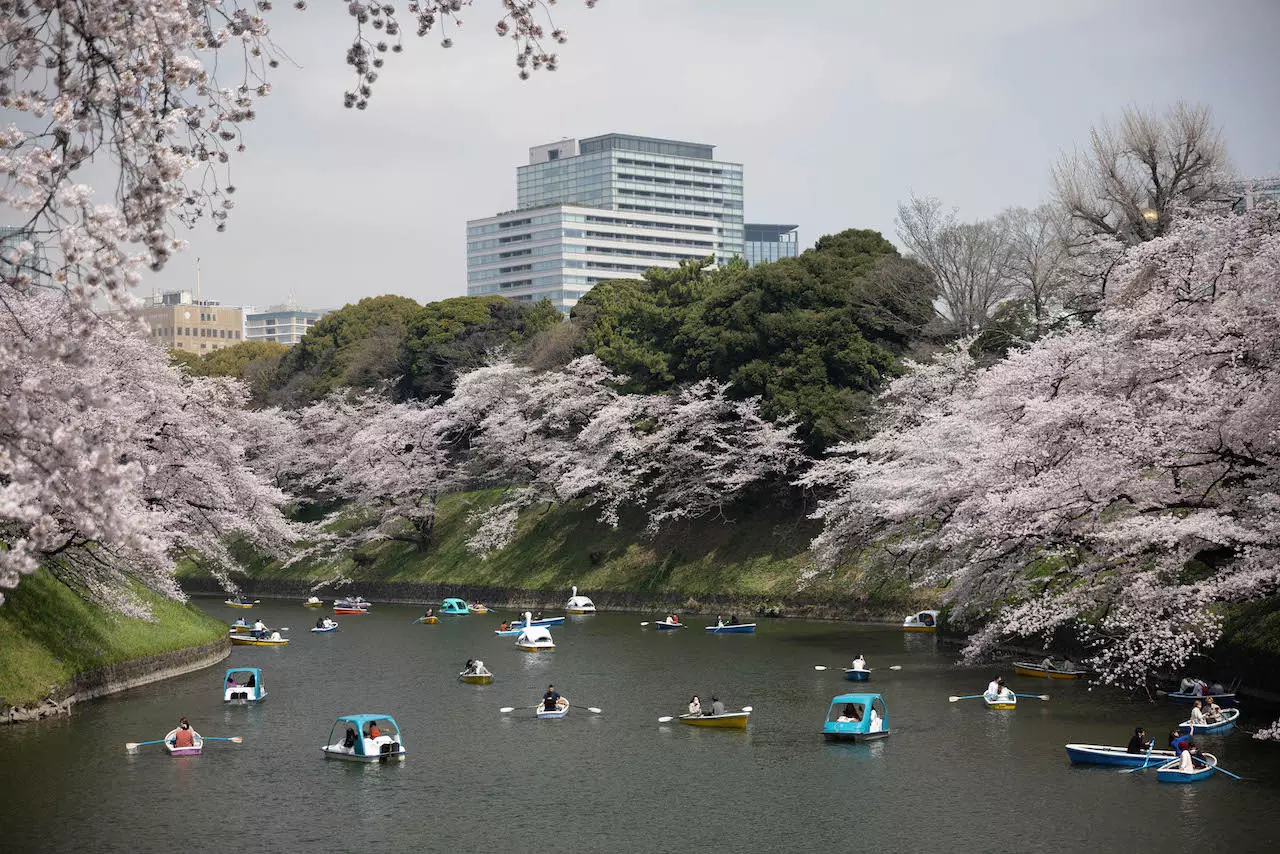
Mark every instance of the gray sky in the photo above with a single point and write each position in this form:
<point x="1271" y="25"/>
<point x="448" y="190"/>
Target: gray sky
<point x="837" y="108"/>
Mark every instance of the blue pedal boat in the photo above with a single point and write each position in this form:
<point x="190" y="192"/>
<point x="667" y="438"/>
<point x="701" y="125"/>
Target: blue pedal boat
<point x="456" y="607"/>
<point x="352" y="739"/>
<point x="1228" y="723"/>
<point x="736" y="629"/>
<point x="857" y="718"/>
<point x="1101" y="754"/>
<point x="243" y="685"/>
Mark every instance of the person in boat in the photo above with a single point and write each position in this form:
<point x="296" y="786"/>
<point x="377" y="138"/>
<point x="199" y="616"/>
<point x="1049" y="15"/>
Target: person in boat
<point x="503" y="627"/>
<point x="430" y="613"/>
<point x="1212" y="711"/>
<point x="320" y="622"/>
<point x="995" y="687"/>
<point x="539" y="617"/>
<point x="695" y="706"/>
<point x="550" y="699"/>
<point x="252" y="681"/>
<point x="850" y="714"/>
<point x="1183" y="744"/>
<point x="1047" y="664"/>
<point x="717" y="707"/>
<point x="859" y="663"/>
<point x="185" y="736"/>
<point x="1068" y="666"/>
<point x="1189" y="756"/>
<point x="470" y="668"/>
<point x="719" y="622"/>
<point x="349" y="740"/>
<point x="260" y="629"/>
<point x="875" y="724"/>
<point x="733" y="619"/>
<point x="1197" y="714"/>
<point x="1139" y="743"/>
<point x="373" y="732"/>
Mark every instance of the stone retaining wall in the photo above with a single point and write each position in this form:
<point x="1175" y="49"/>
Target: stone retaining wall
<point x="515" y="599"/>
<point x="115" y="678"/>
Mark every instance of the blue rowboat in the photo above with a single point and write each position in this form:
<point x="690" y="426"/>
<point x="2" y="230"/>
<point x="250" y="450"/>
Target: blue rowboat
<point x="1169" y="772"/>
<point x="857" y="675"/>
<point x="738" y="629"/>
<point x="1228" y="722"/>
<point x="504" y="632"/>
<point x="549" y="621"/>
<point x="1099" y="754"/>
<point x="1228" y="699"/>
<point x="324" y="629"/>
<point x="663" y="624"/>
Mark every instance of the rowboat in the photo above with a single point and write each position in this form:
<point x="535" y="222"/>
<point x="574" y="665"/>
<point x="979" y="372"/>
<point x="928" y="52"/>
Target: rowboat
<point x="1100" y="754"/>
<point x="239" y="626"/>
<point x="250" y="640"/>
<point x="1227" y="723"/>
<point x="251" y="690"/>
<point x="1171" y="773"/>
<point x="735" y="629"/>
<point x="476" y="674"/>
<point x="235" y="603"/>
<point x="857" y="675"/>
<point x="667" y="625"/>
<point x="196" y="746"/>
<point x="313" y="602"/>
<point x="329" y="626"/>
<point x="504" y="632"/>
<point x="477" y="609"/>
<point x="358" y="602"/>
<point x="1225" y="699"/>
<point x="541" y="621"/>
<point x="1000" y="702"/>
<point x="356" y="729"/>
<point x="729" y="720"/>
<point x="562" y="709"/>
<point x="921" y="621"/>
<point x="346" y="610"/>
<point x="579" y="604"/>
<point x="856" y="718"/>
<point x="454" y="607"/>
<point x="1028" y="669"/>
<point x="430" y="621"/>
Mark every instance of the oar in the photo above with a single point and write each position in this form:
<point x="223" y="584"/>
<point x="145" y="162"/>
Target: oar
<point x="665" y="719"/>
<point x="1033" y="696"/>
<point x="824" y="667"/>
<point x="1225" y="771"/>
<point x="1150" y="747"/>
<point x="747" y="709"/>
<point x="132" y="746"/>
<point x="966" y="697"/>
<point x="644" y="622"/>
<point x="237" y="739"/>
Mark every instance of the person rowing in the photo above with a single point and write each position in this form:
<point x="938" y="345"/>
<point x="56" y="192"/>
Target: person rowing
<point x="1139" y="743"/>
<point x="717" y="707"/>
<point x="1212" y="711"/>
<point x="321" y="622"/>
<point x="184" y="735"/>
<point x="1047" y="664"/>
<point x="550" y="699"/>
<point x="431" y="612"/>
<point x="995" y="687"/>
<point x="859" y="663"/>
<point x="695" y="706"/>
<point x="470" y="668"/>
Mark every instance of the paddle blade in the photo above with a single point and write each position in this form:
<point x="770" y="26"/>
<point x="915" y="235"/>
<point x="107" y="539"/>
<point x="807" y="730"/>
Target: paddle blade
<point x="952" y="699"/>
<point x="665" y="719"/>
<point x="895" y="667"/>
<point x="1044" y="696"/>
<point x="236" y="739"/>
<point x="505" y="709"/>
<point x="131" y="747"/>
<point x="644" y="622"/>
<point x="594" y="710"/>
<point x="819" y="667"/>
<point x="747" y="709"/>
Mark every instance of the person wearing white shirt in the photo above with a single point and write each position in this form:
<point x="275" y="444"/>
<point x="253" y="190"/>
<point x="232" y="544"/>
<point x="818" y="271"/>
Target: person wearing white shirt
<point x="994" y="689"/>
<point x="859" y="663"/>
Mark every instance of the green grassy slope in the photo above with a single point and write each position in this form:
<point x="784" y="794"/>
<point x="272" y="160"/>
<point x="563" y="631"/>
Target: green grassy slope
<point x="48" y="634"/>
<point x="760" y="549"/>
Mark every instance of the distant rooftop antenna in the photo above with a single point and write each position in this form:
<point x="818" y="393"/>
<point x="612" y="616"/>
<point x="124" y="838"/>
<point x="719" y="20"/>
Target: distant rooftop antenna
<point x="292" y="304"/>
<point x="197" y="281"/>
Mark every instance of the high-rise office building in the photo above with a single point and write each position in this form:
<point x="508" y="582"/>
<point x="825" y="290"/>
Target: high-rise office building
<point x="285" y="324"/>
<point x="179" y="321"/>
<point x="608" y="207"/>
<point x="769" y="242"/>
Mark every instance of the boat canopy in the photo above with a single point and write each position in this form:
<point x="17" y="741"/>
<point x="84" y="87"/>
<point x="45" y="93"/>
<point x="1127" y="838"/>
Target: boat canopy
<point x="453" y="606"/>
<point x="857" y="710"/>
<point x="249" y="671"/>
<point x="386" y="724"/>
<point x="535" y="634"/>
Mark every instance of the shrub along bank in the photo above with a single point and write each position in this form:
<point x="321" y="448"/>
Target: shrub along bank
<point x="48" y="635"/>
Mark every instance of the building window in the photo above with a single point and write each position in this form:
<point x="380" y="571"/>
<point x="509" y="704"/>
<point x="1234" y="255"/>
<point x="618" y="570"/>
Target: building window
<point x="202" y="346"/>
<point x="237" y="335"/>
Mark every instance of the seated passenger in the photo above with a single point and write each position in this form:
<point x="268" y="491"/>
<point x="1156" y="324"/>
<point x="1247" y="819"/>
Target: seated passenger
<point x="851" y="714"/>
<point x="876" y="724"/>
<point x="349" y="741"/>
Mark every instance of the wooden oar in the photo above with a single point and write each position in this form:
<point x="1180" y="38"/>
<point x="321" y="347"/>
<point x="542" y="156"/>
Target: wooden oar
<point x="1033" y="696"/>
<point x="1150" y="747"/>
<point x="952" y="699"/>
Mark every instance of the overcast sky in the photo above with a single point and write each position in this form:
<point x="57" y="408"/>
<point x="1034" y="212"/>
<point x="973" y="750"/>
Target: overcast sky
<point x="837" y="109"/>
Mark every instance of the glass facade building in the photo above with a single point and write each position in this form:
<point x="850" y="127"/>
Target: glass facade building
<point x="607" y="207"/>
<point x="283" y="324"/>
<point x="769" y="242"/>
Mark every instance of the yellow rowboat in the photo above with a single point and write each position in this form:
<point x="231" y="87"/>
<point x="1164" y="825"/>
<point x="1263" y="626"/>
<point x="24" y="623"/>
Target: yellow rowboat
<point x="476" y="678"/>
<point x="477" y="609"/>
<point x="1025" y="669"/>
<point x="313" y="602"/>
<point x="430" y="621"/>
<point x="1000" y="702"/>
<point x="231" y="604"/>
<point x="729" y="720"/>
<point x="250" y="640"/>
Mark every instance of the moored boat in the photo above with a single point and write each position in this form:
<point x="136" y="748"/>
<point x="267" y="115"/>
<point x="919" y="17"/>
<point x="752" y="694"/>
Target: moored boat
<point x="735" y="629"/>
<point x="856" y="718"/>
<point x="243" y="685"/>
<point x="358" y="743"/>
<point x="1001" y="702"/>
<point x="196" y="746"/>
<point x="579" y="604"/>
<point x="729" y="720"/>
<point x="1101" y="754"/>
<point x="535" y="639"/>
<point x="1228" y="722"/>
<point x="857" y="674"/>
<point x="921" y="621"/>
<point x="250" y="640"/>
<point x="313" y="602"/>
<point x="1171" y="772"/>
<point x="561" y="709"/>
<point x="454" y="607"/>
<point x="1025" y="668"/>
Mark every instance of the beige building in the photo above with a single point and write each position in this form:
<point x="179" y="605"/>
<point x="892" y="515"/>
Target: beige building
<point x="179" y="322"/>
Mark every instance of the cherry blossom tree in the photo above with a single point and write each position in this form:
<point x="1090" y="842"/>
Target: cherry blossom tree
<point x="1122" y="478"/>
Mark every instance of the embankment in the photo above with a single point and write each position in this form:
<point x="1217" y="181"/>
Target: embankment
<point x="755" y="560"/>
<point x="57" y="649"/>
